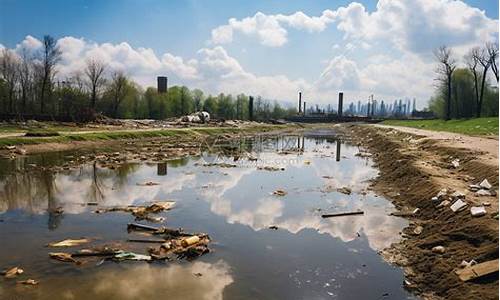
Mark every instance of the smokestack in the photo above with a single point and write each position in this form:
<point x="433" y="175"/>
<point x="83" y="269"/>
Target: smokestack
<point x="162" y="84"/>
<point x="304" y="108"/>
<point x="300" y="102"/>
<point x="341" y="100"/>
<point x="250" y="108"/>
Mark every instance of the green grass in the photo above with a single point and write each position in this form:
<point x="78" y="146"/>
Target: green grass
<point x="479" y="126"/>
<point x="66" y="137"/>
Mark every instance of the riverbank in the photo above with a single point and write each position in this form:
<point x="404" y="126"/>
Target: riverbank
<point x="475" y="127"/>
<point x="413" y="170"/>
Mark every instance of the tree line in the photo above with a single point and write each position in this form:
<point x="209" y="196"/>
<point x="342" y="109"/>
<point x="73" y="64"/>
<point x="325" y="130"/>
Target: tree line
<point x="465" y="92"/>
<point x="29" y="86"/>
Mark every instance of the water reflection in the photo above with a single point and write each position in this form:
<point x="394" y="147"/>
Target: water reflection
<point x="234" y="205"/>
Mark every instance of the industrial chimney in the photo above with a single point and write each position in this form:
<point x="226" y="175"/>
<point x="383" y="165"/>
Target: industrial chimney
<point x="300" y="102"/>
<point x="162" y="84"/>
<point x="341" y="100"/>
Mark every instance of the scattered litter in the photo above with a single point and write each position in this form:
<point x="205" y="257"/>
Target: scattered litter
<point x="327" y="177"/>
<point x="344" y="190"/>
<point x="458" y="205"/>
<point x="485" y="184"/>
<point x="63" y="256"/>
<point x="477" y="270"/>
<point x="458" y="195"/>
<point x="483" y="193"/>
<point x="101" y="251"/>
<point x="342" y="214"/>
<point x="486" y="203"/>
<point x="442" y="193"/>
<point x="220" y="165"/>
<point x="148" y="183"/>
<point x="418" y="230"/>
<point x="28" y="282"/>
<point x="190" y="241"/>
<point x="145" y="241"/>
<point x="12" y="272"/>
<point x="273" y="227"/>
<point x="269" y="168"/>
<point x="142" y="212"/>
<point x="123" y="255"/>
<point x="279" y="193"/>
<point x="197" y="274"/>
<point x="478" y="211"/>
<point x="69" y="243"/>
<point x="307" y="162"/>
<point x="363" y="154"/>
<point x="465" y="263"/>
<point x="439" y="249"/>
<point x="416" y="211"/>
<point x="444" y="203"/>
<point x="474" y="187"/>
<point x="455" y="163"/>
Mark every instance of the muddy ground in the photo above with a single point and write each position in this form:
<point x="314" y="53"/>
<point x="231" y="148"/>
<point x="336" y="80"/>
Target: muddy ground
<point x="413" y="169"/>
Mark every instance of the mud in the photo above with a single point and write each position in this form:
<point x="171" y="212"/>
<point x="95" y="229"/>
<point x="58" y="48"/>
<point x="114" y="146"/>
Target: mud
<point x="412" y="171"/>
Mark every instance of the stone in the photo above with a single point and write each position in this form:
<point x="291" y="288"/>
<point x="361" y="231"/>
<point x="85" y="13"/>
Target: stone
<point x="483" y="193"/>
<point x="485" y="184"/>
<point x="478" y="211"/>
<point x="458" y="205"/>
<point x="439" y="249"/>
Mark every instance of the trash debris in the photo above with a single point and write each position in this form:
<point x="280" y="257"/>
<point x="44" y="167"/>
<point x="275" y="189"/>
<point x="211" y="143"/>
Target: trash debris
<point x="123" y="255"/>
<point x="269" y="168"/>
<point x="363" y="154"/>
<point x="273" y="227"/>
<point x="442" y="193"/>
<point x="485" y="184"/>
<point x="455" y="163"/>
<point x="220" y="165"/>
<point x="465" y="263"/>
<point x="12" y="272"/>
<point x="458" y="205"/>
<point x="477" y="270"/>
<point x="483" y="193"/>
<point x="63" y="256"/>
<point x="344" y="190"/>
<point x="444" y="203"/>
<point x="439" y="249"/>
<point x="279" y="193"/>
<point x="458" y="195"/>
<point x="416" y="211"/>
<point x="28" y="282"/>
<point x="69" y="243"/>
<point x="190" y="241"/>
<point x="474" y="187"/>
<point x="145" y="241"/>
<point x="342" y="214"/>
<point x="142" y="212"/>
<point x="196" y="117"/>
<point x="307" y="162"/>
<point x="148" y="183"/>
<point x="418" y="230"/>
<point x="101" y="251"/>
<point x="158" y="230"/>
<point x="478" y="211"/>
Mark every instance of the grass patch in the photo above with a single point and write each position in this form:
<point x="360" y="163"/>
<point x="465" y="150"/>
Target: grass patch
<point x="41" y="133"/>
<point x="478" y="126"/>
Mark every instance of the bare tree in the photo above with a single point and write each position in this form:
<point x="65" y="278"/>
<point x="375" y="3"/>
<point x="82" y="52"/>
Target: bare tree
<point x="95" y="76"/>
<point x="25" y="70"/>
<point x="446" y="67"/>
<point x="492" y="49"/>
<point x="118" y="89"/>
<point x="484" y="60"/>
<point x="9" y="73"/>
<point x="50" y="57"/>
<point x="473" y="64"/>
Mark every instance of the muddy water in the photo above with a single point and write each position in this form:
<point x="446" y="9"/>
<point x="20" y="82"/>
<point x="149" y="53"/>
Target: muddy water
<point x="307" y="257"/>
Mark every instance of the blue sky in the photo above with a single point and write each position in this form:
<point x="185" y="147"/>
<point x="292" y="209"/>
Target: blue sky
<point x="183" y="28"/>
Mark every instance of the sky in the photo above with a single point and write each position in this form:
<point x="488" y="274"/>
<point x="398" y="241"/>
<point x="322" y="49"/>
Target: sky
<point x="263" y="47"/>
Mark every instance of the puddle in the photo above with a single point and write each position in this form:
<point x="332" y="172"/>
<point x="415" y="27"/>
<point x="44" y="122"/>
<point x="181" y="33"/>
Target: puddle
<point x="307" y="257"/>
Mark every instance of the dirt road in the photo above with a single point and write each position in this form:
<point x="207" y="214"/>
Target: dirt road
<point x="415" y="165"/>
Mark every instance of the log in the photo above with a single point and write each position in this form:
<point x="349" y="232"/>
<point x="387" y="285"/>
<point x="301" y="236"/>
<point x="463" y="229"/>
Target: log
<point x="343" y="214"/>
<point x="479" y="270"/>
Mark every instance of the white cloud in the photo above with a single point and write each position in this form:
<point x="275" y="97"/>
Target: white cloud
<point x="270" y="29"/>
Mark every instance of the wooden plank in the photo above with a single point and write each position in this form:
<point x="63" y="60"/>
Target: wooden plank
<point x="478" y="270"/>
<point x="342" y="214"/>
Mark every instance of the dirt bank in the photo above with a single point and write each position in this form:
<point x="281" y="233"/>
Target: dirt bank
<point x="413" y="169"/>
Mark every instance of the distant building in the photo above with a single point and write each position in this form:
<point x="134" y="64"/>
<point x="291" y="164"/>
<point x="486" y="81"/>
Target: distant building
<point x="162" y="84"/>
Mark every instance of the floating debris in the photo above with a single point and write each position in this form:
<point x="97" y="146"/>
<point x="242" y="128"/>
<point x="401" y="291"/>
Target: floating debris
<point x="69" y="243"/>
<point x="279" y="193"/>
<point x="123" y="255"/>
<point x="28" y="282"/>
<point x="148" y="183"/>
<point x="12" y="272"/>
<point x="269" y="168"/>
<point x="64" y="257"/>
<point x="344" y="190"/>
<point x="342" y="214"/>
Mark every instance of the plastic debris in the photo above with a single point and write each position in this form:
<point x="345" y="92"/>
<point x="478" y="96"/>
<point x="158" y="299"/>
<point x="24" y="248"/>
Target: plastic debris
<point x="69" y="243"/>
<point x="439" y="249"/>
<point x="485" y="184"/>
<point x="458" y="195"/>
<point x="344" y="190"/>
<point x="458" y="205"/>
<point x="279" y="193"/>
<point x="444" y="203"/>
<point x="63" y="256"/>
<point x="483" y="193"/>
<point x="478" y="211"/>
<point x="13" y="272"/>
<point x="465" y="263"/>
<point x="269" y="168"/>
<point x="148" y="183"/>
<point x="455" y="163"/>
<point x="123" y="255"/>
<point x="190" y="241"/>
<point x="418" y="230"/>
<point x="28" y="282"/>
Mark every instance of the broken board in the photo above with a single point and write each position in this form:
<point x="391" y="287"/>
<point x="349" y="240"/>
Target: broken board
<point x="478" y="270"/>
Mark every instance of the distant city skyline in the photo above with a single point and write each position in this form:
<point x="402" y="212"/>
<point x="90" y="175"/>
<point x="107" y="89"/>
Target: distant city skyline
<point x="268" y="48"/>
